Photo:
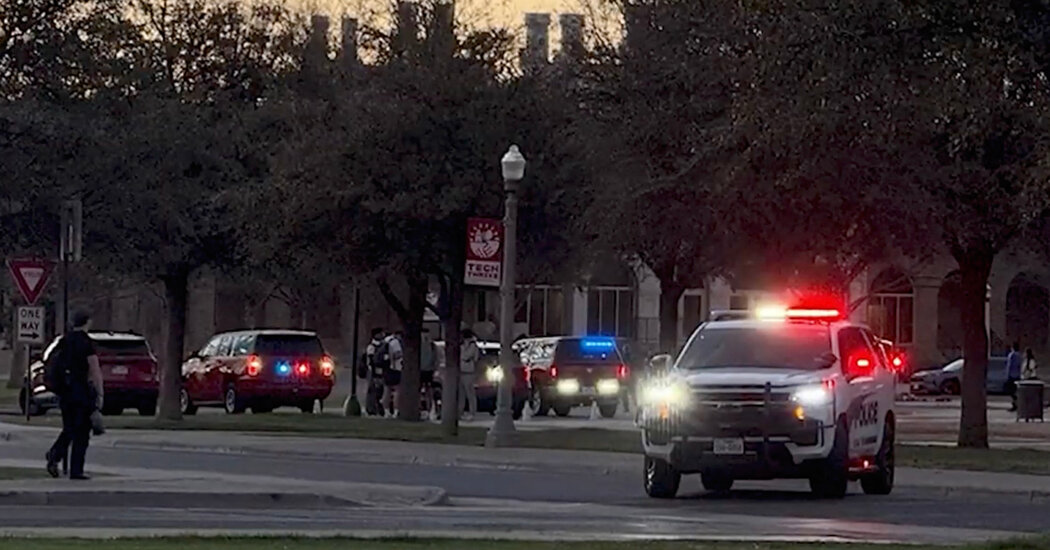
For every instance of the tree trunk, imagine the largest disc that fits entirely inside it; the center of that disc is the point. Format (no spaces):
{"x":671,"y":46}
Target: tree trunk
{"x":974,"y":268}
{"x":670,"y":294}
{"x":176,"y":293}
{"x":450,"y":380}
{"x":408,"y":395}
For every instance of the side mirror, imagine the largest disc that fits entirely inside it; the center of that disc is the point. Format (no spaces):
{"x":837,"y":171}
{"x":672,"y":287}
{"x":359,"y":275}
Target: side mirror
{"x":660,"y":363}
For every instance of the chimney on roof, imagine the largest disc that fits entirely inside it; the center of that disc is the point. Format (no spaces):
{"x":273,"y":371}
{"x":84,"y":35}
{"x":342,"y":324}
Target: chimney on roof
{"x":406,"y":32}
{"x":316,"y":54}
{"x":537,"y":41}
{"x":442,"y":31}
{"x":348,"y":54}
{"x":571,"y":36}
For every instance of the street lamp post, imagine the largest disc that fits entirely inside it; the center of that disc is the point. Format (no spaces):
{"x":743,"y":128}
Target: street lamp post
{"x":502,"y":431}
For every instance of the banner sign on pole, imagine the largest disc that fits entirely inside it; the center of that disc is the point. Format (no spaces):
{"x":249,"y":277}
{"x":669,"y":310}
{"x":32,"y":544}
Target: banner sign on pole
{"x":484,"y":252}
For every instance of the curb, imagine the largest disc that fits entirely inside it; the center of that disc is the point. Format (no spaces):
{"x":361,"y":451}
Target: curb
{"x":172,"y":499}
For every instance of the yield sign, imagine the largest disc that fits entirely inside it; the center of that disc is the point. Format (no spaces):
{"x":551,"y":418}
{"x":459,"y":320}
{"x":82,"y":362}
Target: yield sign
{"x":30,"y":277}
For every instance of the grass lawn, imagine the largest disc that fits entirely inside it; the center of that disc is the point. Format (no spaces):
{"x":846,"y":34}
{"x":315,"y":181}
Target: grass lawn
{"x":439,"y":544}
{"x":11,"y":474}
{"x":579,"y":439}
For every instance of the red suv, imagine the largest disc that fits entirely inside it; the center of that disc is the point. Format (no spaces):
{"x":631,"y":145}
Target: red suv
{"x":260,"y":369}
{"x":129,"y":375}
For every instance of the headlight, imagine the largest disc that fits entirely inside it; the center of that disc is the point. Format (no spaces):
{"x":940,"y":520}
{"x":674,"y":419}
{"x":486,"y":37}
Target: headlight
{"x":812,"y":396}
{"x":665,"y":392}
{"x":494,"y":375}
{"x":608,"y":387}
{"x":568,"y":387}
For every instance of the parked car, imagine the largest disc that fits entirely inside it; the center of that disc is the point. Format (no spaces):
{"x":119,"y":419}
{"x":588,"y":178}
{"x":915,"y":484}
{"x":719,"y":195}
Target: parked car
{"x":258,"y":369}
{"x":487,"y":379}
{"x":948,"y":379}
{"x":567,"y":372}
{"x":129,"y":375}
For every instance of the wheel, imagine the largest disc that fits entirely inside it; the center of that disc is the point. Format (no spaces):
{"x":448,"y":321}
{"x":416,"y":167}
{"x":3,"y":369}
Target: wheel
{"x":187,"y":406}
{"x":608,"y":410}
{"x":262,"y":409}
{"x":307,"y":406}
{"x":950,"y":387}
{"x":148,"y":409}
{"x":34,"y":407}
{"x":233,"y":402}
{"x":538,"y":405}
{"x":562,"y":410}
{"x":112,"y":410}
{"x":832,"y":478}
{"x":661,"y":479}
{"x":881,"y":482}
{"x":716,"y":483}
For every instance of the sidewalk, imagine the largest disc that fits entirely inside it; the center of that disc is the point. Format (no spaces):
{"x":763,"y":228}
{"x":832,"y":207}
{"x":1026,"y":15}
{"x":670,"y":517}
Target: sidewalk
{"x":182,"y":489}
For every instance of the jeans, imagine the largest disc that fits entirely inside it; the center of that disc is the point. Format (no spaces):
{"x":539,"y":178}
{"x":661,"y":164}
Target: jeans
{"x":468,"y":396}
{"x":77,"y":405}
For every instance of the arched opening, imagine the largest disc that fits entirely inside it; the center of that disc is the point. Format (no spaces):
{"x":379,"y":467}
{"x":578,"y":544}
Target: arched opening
{"x":891,"y":306}
{"x":949,"y":317}
{"x":1027,"y":312}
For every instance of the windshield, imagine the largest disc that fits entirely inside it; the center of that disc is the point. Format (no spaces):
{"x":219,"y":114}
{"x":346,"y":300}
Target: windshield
{"x":954,"y":366}
{"x":775,"y":345}
{"x":586,"y":350}
{"x":288,"y":344}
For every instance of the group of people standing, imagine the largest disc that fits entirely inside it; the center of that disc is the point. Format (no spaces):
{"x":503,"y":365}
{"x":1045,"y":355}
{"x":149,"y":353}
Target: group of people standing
{"x":384,"y":361}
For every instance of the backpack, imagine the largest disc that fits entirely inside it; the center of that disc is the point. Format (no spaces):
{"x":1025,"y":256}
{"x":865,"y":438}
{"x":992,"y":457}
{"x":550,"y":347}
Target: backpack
{"x":56,"y":371}
{"x":381,"y":359}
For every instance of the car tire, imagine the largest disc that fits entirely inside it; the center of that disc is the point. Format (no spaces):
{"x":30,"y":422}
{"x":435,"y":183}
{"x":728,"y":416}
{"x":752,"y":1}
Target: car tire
{"x":148,"y":409}
{"x":716,"y":483}
{"x":231,"y":402}
{"x":307,"y":407}
{"x":111,"y":410}
{"x":608,"y":410}
{"x":881,"y":482}
{"x":562,"y":410}
{"x":34,"y":408}
{"x":951,"y":387}
{"x":186,"y":404}
{"x":661,"y":479}
{"x":831,"y":480}
{"x":539,"y":405}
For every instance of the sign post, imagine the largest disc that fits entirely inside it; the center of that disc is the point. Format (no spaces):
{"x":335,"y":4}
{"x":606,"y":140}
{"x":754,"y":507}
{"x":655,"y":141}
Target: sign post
{"x":29,"y":330}
{"x":484,"y":252}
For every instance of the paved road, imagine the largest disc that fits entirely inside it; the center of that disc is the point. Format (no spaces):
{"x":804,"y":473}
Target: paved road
{"x":614,"y":499}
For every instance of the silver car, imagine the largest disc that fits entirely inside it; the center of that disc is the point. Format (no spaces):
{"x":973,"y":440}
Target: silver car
{"x":948,"y":380}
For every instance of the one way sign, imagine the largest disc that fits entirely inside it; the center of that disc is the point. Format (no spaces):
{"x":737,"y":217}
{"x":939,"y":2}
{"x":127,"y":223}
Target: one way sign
{"x":30,"y":325}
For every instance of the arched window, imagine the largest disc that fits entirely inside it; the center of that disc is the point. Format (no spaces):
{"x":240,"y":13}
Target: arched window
{"x":891,"y":306}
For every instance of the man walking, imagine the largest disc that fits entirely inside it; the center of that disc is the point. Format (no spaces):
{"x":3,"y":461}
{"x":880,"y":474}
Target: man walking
{"x":1013,"y":373}
{"x":392,"y":374}
{"x":468,"y":364}
{"x":80,"y":394}
{"x":427,"y":368}
{"x":376,"y":359}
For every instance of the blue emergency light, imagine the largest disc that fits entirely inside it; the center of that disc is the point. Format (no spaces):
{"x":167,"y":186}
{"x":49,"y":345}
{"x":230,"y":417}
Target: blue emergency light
{"x":283,"y":368}
{"x":598,"y":344}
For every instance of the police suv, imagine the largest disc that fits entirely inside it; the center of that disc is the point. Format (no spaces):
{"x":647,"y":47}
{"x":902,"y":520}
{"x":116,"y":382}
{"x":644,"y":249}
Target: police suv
{"x":787,"y":393}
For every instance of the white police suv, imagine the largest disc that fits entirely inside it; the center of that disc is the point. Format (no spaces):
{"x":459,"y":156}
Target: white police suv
{"x":788,"y":393}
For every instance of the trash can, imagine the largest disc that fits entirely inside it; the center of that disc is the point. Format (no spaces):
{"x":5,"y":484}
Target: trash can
{"x":1030,"y":400}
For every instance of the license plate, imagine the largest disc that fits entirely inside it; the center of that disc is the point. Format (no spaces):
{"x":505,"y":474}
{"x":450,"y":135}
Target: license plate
{"x":729,"y":447}
{"x":119,"y":370}
{"x":587,"y":391}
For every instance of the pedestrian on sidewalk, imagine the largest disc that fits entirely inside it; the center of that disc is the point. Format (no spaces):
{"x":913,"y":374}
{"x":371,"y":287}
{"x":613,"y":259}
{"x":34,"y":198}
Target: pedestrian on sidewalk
{"x":1013,"y":374}
{"x":392,"y":373}
{"x":427,"y":368}
{"x":376,"y":358}
{"x":468,"y":364}
{"x":1028,"y":371}
{"x":80,"y":393}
